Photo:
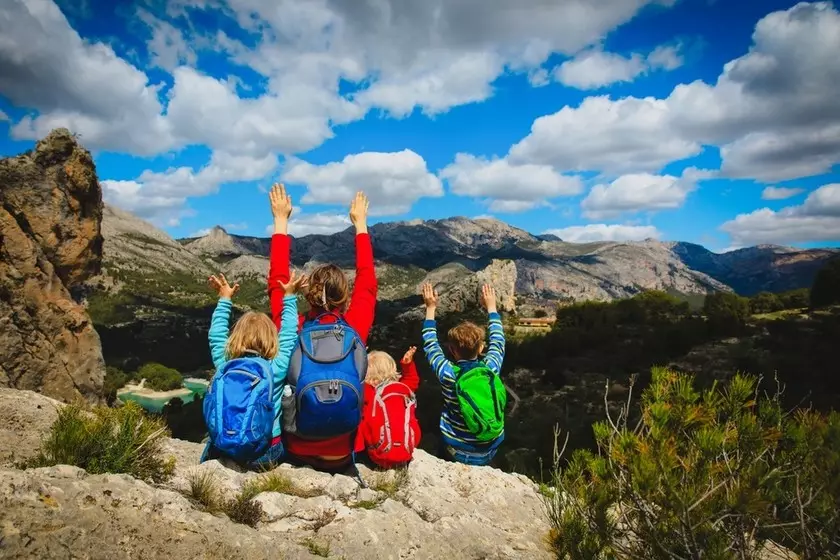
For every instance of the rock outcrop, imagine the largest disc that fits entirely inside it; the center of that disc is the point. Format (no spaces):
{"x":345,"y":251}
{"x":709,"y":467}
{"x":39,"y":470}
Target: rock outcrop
{"x":50,"y":219}
{"x":433,"y":510}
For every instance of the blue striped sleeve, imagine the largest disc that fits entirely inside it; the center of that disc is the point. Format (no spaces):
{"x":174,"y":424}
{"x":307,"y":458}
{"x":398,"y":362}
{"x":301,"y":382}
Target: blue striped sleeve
{"x":434,"y":353}
{"x":496,"y":352}
{"x":286,"y":339}
{"x":219,"y":331}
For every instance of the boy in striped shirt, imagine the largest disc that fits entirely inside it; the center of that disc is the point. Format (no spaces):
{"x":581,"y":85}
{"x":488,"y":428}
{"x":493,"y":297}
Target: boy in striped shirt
{"x":465,"y":345}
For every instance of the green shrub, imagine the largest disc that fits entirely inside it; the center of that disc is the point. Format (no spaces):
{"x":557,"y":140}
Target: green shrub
{"x":115,"y":379}
{"x":704,"y":474}
{"x":160,"y":377}
{"x":205,"y":491}
{"x":826,"y":288}
{"x":107,"y":440}
{"x":727,"y":313}
{"x":765,"y":302}
{"x":244,"y":510}
{"x":275,"y":482}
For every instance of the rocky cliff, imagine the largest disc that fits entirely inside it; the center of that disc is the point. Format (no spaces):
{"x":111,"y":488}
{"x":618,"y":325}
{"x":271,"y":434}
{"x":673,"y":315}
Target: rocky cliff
{"x":433,"y":510}
{"x":50,"y":217}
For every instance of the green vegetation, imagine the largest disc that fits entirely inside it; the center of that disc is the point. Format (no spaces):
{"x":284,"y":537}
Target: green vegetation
{"x":727,"y":313}
{"x":160,"y":377}
{"x":106,"y":308}
{"x":316,"y":548}
{"x":826,"y":288}
{"x":275,"y":482}
{"x":390,"y":482}
{"x":205,"y":492}
{"x":710,"y":473}
{"x":244,"y":511}
{"x":107,"y":440}
{"x":115,"y":379}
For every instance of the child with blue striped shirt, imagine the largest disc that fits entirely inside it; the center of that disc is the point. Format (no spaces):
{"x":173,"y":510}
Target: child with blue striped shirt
{"x":465,"y":344}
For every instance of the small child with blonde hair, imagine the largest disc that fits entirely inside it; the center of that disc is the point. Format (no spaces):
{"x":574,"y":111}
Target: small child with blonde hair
{"x":389,"y":431}
{"x":242,"y":406}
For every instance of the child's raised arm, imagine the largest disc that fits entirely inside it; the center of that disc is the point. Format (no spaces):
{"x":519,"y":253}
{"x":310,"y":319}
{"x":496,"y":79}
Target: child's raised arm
{"x":278,"y":268}
{"x":220,"y":323}
{"x":434,"y":353}
{"x":496,"y":351}
{"x":287,"y":334}
{"x":410,"y":378}
{"x":362,"y":307}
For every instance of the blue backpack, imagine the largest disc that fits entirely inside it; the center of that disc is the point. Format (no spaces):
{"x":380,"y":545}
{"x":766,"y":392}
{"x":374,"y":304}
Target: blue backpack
{"x":238,"y":409}
{"x":326,"y":373}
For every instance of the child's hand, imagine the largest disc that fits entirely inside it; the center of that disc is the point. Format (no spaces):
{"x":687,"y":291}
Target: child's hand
{"x":295,"y":285}
{"x":281,"y":207}
{"x":409,"y":355}
{"x":488,"y":298}
{"x":358,"y":212}
{"x":429,"y":296}
{"x":220,"y":284}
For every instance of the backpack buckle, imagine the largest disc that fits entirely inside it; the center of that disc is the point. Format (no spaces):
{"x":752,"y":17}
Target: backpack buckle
{"x":338,"y":331}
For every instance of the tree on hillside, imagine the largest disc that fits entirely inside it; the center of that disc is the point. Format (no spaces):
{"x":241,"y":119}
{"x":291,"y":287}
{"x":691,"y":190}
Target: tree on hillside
{"x":765,"y":302}
{"x":160,"y":377}
{"x":826,"y":288}
{"x":795,"y":299}
{"x":727,"y":313}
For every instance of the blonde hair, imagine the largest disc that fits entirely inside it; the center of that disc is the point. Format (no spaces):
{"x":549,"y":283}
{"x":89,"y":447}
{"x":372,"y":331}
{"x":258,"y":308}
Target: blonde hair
{"x":381,"y":368}
{"x":253,"y":333}
{"x":466,"y":341}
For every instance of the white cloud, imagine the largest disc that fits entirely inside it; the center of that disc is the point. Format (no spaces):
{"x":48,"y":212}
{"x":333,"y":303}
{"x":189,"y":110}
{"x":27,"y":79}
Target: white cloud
{"x":605,"y":232}
{"x":200,"y":233}
{"x":638,"y":192}
{"x":161,"y":196}
{"x":816,"y":220}
{"x":774,"y":112}
{"x":167,"y":46}
{"x":393,"y":181}
{"x":508,"y":188}
{"x":46,"y":66}
{"x":4,"y":117}
{"x":665,"y":57}
{"x":780,"y":193}
{"x":595,"y":68}
{"x":321,"y":223}
{"x":627,"y":135}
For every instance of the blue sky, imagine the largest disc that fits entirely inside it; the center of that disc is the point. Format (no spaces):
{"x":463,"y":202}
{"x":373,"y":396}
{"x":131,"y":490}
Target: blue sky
{"x":690,"y":120}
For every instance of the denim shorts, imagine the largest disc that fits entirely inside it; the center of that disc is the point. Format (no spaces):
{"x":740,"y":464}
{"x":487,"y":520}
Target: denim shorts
{"x":467,"y":457}
{"x":274,"y":456}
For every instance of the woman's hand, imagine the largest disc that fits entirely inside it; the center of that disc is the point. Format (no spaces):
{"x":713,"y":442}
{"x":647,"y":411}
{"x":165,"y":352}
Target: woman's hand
{"x":281,"y":208}
{"x":221,"y":286}
{"x":358,"y":212}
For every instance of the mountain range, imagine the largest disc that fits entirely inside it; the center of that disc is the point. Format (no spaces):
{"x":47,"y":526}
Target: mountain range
{"x":545,"y":268}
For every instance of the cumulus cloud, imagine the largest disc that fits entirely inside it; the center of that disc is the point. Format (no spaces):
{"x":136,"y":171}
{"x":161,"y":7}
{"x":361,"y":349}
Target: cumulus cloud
{"x":167,"y":46}
{"x":321,"y":223}
{"x":507,"y":187}
{"x":627,"y":135}
{"x":604,"y":232}
{"x":816,"y":220}
{"x":393,"y":181}
{"x":47,"y":67}
{"x":780,"y":193}
{"x":161,"y":196}
{"x":638,"y":192}
{"x":594,"y":68}
{"x":773,"y":112}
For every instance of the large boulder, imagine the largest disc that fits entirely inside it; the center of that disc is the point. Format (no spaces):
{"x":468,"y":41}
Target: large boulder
{"x":50,"y":219}
{"x":433,"y":510}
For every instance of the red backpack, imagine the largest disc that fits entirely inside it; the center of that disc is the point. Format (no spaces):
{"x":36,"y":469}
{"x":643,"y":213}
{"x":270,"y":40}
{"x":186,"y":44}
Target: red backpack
{"x":392,"y":429}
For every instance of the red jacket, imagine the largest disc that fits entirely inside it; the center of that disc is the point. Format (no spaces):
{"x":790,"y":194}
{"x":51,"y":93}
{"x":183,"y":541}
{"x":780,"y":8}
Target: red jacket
{"x":359,"y":315}
{"x":410,"y":378}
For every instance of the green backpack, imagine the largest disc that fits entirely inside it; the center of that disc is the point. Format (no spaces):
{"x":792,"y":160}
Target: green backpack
{"x":482,"y":398}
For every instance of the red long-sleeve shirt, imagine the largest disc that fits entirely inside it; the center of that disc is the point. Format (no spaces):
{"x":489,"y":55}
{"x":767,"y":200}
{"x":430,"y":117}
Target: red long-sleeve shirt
{"x":410,"y":378}
{"x":359,"y":315}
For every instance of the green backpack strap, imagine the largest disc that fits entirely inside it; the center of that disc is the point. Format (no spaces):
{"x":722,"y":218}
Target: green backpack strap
{"x":482,"y":398}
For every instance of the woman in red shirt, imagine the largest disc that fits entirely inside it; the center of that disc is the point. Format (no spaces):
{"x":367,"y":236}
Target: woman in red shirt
{"x":328,"y":291}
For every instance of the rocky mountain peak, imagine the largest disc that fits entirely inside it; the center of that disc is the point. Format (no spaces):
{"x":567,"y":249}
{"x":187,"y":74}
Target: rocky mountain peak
{"x":51,"y":217}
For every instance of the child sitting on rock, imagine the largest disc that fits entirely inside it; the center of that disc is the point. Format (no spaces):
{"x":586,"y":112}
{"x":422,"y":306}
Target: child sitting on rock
{"x":242,"y":407}
{"x":474,"y":397}
{"x":389,"y":431}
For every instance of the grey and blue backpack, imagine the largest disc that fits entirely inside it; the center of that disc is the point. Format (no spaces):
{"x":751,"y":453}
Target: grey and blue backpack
{"x":326,"y":374}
